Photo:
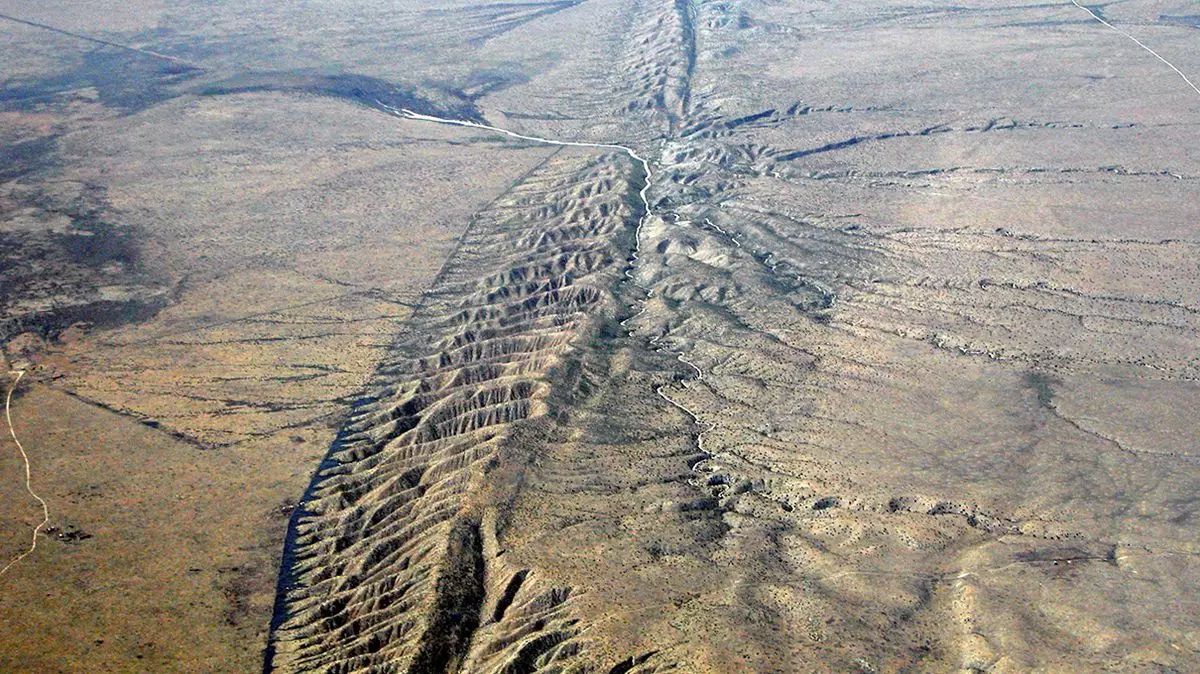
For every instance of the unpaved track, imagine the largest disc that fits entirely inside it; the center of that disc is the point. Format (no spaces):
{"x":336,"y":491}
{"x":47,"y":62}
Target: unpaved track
{"x":106,"y":43}
{"x":28,"y":477}
{"x":1140,"y":44}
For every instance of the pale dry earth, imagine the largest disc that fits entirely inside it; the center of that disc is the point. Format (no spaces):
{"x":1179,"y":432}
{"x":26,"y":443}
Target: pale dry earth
{"x":894,"y":370}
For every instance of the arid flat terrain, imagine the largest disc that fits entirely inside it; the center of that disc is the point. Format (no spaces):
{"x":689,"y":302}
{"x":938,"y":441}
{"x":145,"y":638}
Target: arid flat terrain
{"x":609,"y":336}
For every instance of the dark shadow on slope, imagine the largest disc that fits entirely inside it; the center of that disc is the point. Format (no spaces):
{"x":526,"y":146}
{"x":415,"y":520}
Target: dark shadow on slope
{"x":369,"y":91}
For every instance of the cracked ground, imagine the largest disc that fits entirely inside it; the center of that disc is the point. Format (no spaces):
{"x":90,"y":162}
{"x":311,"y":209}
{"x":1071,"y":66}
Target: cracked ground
{"x":774,"y":337}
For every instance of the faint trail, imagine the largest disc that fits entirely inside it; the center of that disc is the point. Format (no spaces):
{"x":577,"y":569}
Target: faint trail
{"x":368,"y":292}
{"x":106,"y":43}
{"x":1140,"y":44}
{"x":28,"y":487}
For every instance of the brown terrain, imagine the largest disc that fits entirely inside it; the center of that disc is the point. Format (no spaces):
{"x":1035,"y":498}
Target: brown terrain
{"x":781,"y":337}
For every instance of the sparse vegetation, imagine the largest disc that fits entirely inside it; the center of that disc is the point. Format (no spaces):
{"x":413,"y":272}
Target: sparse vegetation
{"x":895,"y":374}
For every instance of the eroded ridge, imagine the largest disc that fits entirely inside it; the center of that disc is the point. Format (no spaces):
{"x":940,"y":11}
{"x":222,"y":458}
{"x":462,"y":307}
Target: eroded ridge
{"x":661,"y":59}
{"x":392,"y":563}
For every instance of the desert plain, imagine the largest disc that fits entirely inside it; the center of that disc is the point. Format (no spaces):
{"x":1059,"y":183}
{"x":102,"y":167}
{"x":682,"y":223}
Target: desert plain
{"x":612,"y":336}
